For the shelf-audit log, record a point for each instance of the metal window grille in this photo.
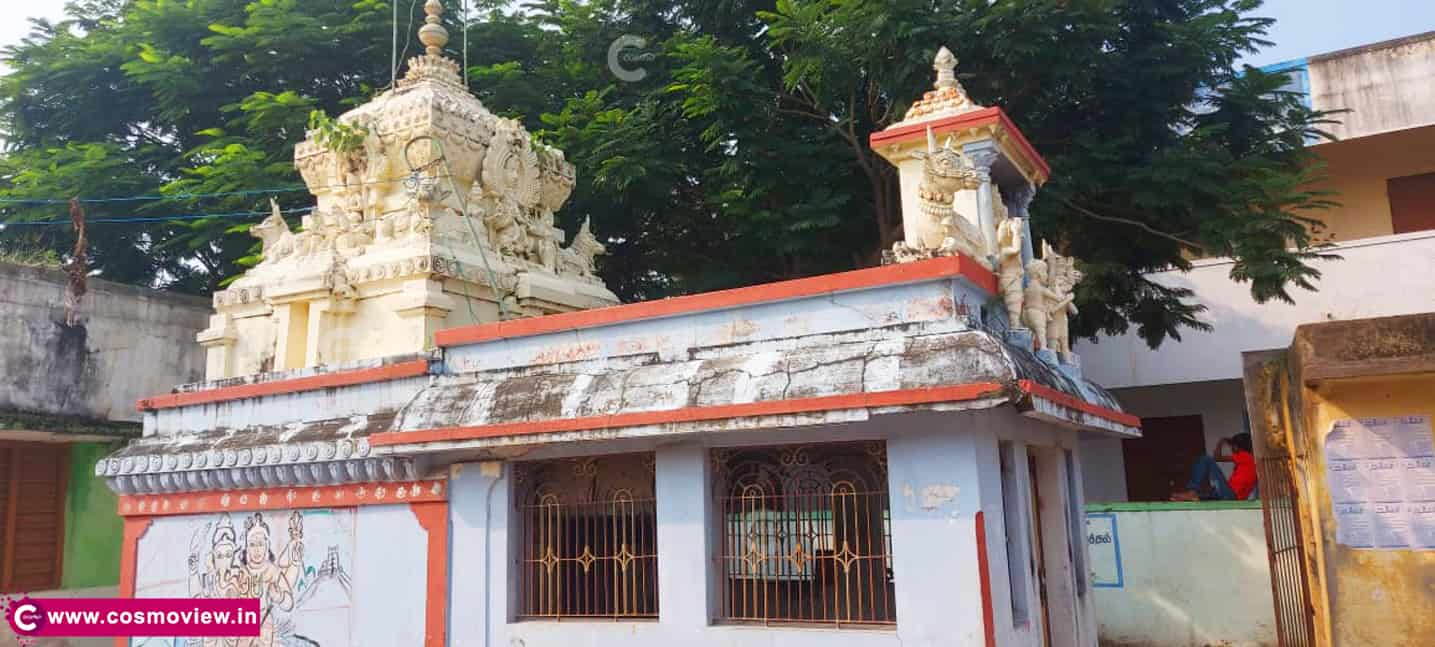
(589, 546)
(805, 535)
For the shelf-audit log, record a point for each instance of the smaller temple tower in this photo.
(968, 177)
(431, 212)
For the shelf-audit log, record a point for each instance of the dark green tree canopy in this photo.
(739, 157)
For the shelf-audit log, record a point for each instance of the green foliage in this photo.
(334, 135)
(741, 157)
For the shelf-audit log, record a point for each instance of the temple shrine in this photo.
(427, 421)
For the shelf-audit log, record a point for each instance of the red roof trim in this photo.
(279, 498)
(412, 368)
(958, 393)
(936, 268)
(1072, 402)
(981, 117)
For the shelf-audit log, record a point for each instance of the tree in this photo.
(739, 158)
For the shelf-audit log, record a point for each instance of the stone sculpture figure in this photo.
(1039, 300)
(544, 238)
(1063, 278)
(1009, 270)
(945, 171)
(506, 229)
(578, 258)
(276, 238)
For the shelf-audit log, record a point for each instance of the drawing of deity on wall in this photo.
(295, 562)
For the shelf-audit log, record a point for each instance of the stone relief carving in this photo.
(394, 187)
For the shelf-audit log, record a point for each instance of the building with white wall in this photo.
(1189, 393)
(865, 458)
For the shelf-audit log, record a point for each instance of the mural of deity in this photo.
(301, 594)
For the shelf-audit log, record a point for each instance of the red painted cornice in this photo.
(896, 274)
(413, 368)
(983, 117)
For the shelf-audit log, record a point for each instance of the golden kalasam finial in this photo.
(432, 34)
(946, 66)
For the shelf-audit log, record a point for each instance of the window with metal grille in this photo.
(805, 535)
(588, 545)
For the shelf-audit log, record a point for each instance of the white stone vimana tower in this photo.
(431, 212)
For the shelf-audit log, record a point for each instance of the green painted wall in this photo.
(93, 528)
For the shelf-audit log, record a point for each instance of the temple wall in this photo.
(937, 305)
(942, 472)
(360, 572)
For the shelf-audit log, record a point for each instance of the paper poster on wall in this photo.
(1381, 474)
(1104, 547)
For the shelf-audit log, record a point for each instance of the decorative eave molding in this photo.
(1002, 129)
(168, 480)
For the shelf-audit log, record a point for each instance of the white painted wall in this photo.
(941, 472)
(1188, 578)
(1383, 276)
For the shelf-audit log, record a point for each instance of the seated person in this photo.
(1207, 473)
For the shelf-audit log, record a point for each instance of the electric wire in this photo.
(441, 157)
(194, 196)
(143, 219)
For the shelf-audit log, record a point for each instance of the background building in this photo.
(67, 397)
(1188, 393)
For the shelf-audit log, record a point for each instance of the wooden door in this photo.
(1159, 462)
(33, 481)
(1412, 202)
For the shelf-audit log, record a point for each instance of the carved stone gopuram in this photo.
(430, 212)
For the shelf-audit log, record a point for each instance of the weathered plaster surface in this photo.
(128, 343)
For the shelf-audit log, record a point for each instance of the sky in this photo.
(1303, 27)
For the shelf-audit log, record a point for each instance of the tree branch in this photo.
(1134, 223)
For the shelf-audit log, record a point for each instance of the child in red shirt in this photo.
(1237, 450)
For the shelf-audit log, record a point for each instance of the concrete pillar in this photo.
(935, 484)
(479, 584)
(984, 155)
(685, 540)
